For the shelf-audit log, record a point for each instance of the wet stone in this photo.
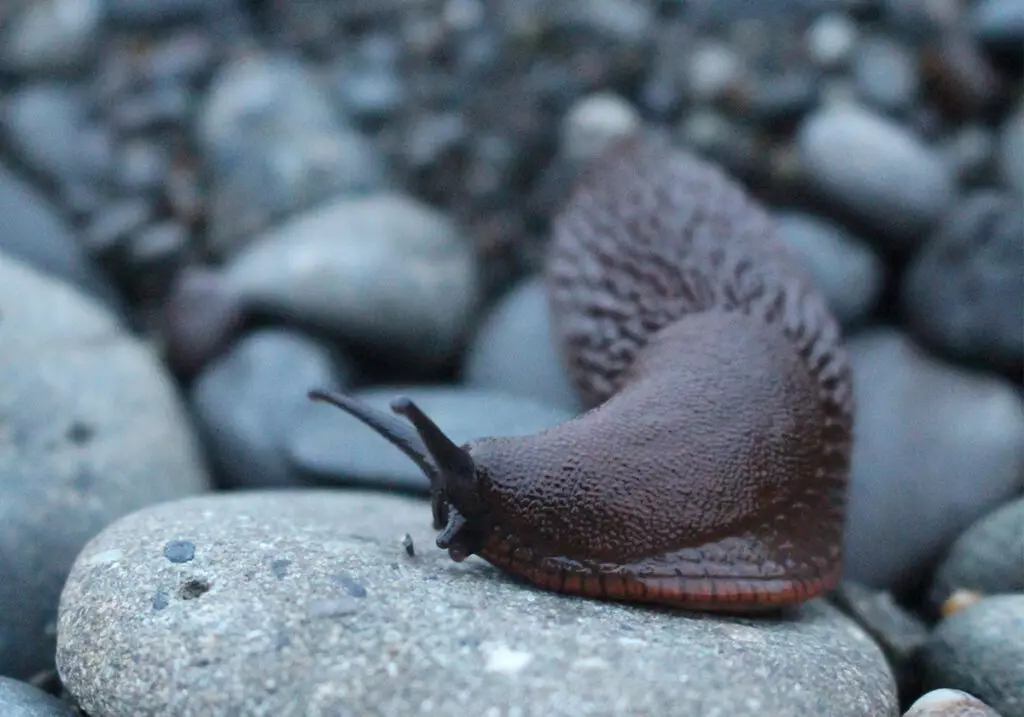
(247, 640)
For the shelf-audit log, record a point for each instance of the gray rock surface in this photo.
(91, 428)
(980, 650)
(876, 169)
(949, 703)
(51, 36)
(326, 444)
(19, 699)
(963, 290)
(988, 558)
(33, 231)
(937, 447)
(384, 271)
(848, 272)
(275, 145)
(247, 401)
(514, 349)
(1011, 150)
(299, 603)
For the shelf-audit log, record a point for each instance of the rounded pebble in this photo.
(515, 350)
(886, 74)
(937, 447)
(877, 170)
(246, 401)
(19, 699)
(962, 291)
(51, 36)
(849, 273)
(34, 232)
(384, 271)
(987, 558)
(980, 650)
(327, 445)
(92, 429)
(310, 598)
(275, 145)
(593, 123)
(949, 703)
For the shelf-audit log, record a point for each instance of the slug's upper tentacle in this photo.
(447, 466)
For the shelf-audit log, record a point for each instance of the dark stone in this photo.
(980, 649)
(179, 551)
(247, 401)
(988, 558)
(963, 290)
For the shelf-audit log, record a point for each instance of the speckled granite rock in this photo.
(980, 649)
(292, 603)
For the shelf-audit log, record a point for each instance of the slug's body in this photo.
(710, 470)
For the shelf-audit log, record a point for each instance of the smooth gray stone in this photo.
(384, 271)
(246, 403)
(876, 169)
(516, 351)
(299, 603)
(988, 558)
(980, 649)
(937, 447)
(19, 699)
(846, 269)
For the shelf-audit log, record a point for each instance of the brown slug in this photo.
(710, 469)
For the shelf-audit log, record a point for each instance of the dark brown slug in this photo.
(710, 469)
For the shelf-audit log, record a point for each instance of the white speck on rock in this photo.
(107, 556)
(505, 660)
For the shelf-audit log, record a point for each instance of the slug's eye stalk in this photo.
(442, 462)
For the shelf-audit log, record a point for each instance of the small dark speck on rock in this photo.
(80, 432)
(410, 549)
(193, 588)
(280, 568)
(352, 587)
(179, 551)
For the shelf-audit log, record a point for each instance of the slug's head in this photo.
(457, 484)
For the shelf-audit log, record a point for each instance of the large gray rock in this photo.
(384, 271)
(91, 428)
(299, 603)
(937, 447)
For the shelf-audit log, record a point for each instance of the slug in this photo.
(709, 468)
